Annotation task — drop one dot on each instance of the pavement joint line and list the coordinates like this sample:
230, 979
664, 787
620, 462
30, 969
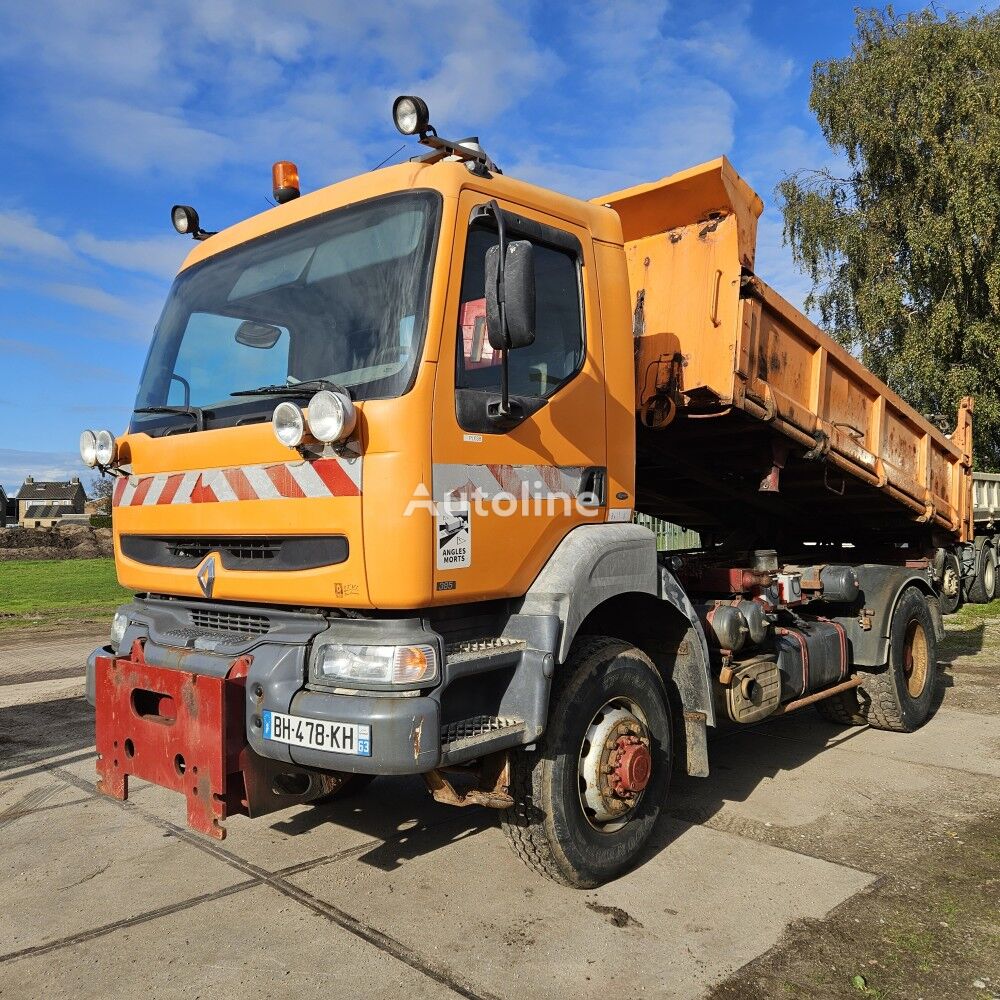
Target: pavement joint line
709, 825
882, 756
82, 937
261, 876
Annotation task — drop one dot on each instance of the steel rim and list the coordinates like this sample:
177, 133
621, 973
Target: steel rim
617, 735
949, 582
989, 577
916, 659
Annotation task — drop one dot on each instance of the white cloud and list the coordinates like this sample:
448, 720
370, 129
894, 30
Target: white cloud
735, 53
160, 256
135, 140
57, 466
141, 316
20, 234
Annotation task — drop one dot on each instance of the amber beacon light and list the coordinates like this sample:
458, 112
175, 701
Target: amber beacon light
285, 181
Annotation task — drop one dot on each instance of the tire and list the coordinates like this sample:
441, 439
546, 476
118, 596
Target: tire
901, 697
597, 698
350, 785
842, 709
983, 588
950, 591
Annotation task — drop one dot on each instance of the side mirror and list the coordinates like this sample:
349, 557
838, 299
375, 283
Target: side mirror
519, 297
260, 335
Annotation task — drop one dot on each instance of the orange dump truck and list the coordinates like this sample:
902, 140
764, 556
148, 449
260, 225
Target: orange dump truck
377, 499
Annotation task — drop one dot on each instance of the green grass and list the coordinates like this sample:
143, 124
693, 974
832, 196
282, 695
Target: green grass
45, 592
977, 612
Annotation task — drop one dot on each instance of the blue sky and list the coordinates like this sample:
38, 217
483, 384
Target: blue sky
114, 111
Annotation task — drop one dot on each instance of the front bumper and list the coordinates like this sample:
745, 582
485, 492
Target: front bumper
182, 706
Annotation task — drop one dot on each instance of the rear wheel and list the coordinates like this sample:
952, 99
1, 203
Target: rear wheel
587, 799
983, 588
844, 709
951, 584
902, 696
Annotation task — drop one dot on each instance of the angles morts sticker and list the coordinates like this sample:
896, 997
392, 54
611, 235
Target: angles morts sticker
454, 535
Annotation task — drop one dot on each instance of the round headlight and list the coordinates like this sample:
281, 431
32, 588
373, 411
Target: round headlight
288, 424
105, 447
88, 448
331, 416
184, 218
410, 115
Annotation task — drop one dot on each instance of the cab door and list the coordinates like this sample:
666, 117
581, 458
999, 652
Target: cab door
508, 489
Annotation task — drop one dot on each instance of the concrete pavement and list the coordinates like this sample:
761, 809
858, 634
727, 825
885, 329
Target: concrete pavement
389, 894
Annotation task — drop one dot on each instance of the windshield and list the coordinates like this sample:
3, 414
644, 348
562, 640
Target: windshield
341, 298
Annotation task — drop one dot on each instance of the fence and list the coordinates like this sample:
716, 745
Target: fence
669, 536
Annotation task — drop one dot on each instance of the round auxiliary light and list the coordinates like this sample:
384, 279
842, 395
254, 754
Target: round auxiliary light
105, 447
185, 219
289, 424
410, 115
88, 448
331, 416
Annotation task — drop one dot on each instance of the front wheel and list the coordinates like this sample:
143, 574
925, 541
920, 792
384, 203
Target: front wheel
587, 799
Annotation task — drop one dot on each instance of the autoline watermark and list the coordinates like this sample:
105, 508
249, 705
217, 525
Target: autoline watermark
529, 501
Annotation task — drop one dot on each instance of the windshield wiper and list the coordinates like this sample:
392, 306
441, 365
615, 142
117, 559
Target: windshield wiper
195, 412
306, 388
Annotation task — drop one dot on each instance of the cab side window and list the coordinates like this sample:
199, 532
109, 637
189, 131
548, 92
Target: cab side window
557, 353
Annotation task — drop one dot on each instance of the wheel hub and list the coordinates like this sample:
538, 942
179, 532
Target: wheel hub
634, 767
615, 765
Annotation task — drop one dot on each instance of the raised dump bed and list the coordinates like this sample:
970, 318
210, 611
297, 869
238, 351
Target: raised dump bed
754, 420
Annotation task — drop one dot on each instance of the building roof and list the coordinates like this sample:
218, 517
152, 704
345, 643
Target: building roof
40, 510
34, 490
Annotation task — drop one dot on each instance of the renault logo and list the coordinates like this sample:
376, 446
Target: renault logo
206, 576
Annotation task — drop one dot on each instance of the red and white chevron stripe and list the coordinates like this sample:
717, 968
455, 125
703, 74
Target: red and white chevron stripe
326, 477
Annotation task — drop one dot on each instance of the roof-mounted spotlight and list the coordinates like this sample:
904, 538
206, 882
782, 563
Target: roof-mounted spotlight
185, 220
411, 115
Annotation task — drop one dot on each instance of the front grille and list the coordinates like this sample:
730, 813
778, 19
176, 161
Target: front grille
478, 725
246, 549
295, 552
210, 620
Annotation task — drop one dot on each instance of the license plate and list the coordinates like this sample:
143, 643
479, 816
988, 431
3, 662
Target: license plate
317, 734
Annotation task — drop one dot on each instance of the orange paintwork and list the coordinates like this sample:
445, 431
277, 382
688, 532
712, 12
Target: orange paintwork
687, 242
716, 336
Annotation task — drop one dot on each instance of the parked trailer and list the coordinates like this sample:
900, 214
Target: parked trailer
412, 550
981, 561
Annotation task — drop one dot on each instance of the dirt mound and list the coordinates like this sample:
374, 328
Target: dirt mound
67, 541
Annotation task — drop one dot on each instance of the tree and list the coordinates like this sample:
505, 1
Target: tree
101, 490
903, 243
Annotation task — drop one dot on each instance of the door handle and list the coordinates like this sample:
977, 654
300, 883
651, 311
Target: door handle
593, 483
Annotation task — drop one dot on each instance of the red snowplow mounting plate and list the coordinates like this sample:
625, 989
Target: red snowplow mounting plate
176, 729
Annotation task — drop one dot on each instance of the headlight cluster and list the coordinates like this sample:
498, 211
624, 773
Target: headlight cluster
396, 666
330, 416
97, 448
